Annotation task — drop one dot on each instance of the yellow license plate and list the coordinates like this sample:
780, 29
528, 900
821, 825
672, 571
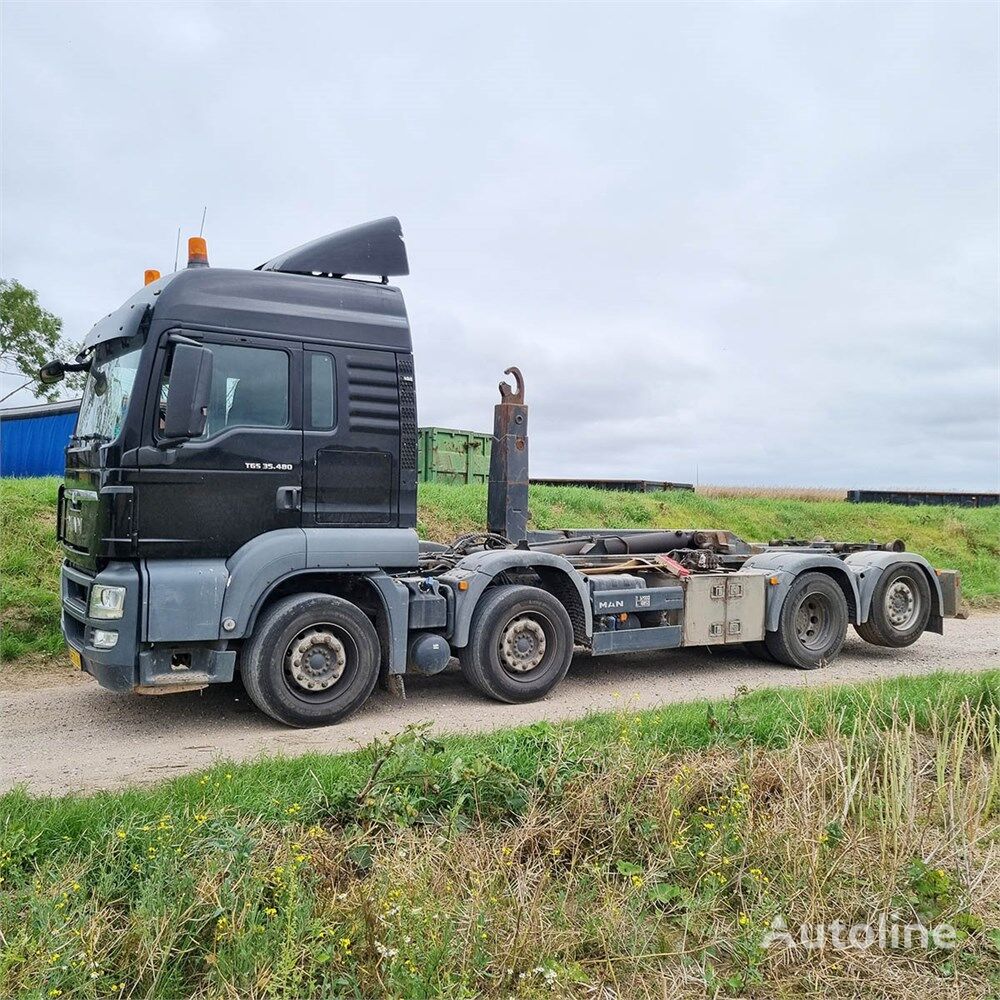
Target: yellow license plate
74, 658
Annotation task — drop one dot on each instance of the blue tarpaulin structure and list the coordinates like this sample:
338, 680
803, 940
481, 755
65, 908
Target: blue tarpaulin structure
33, 439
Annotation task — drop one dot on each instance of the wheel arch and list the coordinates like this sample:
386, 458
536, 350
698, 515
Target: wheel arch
386, 604
267, 560
786, 567
478, 573
871, 566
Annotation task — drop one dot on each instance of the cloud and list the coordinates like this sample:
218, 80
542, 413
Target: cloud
756, 244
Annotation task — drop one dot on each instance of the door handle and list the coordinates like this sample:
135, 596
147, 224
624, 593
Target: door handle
289, 498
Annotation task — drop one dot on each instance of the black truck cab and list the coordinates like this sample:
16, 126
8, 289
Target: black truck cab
310, 422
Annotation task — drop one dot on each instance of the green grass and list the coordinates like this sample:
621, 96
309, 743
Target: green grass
29, 569
635, 853
958, 538
966, 539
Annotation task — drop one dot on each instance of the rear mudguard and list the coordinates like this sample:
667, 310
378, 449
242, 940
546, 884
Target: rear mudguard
477, 572
871, 565
784, 567
857, 575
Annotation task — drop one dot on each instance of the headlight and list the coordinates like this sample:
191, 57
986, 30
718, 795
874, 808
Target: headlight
107, 602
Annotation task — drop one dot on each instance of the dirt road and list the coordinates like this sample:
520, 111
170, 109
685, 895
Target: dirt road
78, 737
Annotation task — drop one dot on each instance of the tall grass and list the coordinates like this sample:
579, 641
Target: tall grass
775, 492
637, 854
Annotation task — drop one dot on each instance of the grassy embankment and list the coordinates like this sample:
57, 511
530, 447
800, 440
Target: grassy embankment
963, 539
625, 855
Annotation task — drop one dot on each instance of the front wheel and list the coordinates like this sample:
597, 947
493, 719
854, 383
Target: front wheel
812, 625
520, 644
312, 660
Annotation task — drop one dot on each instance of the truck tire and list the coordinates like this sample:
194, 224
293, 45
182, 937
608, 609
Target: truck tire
312, 660
520, 644
812, 625
900, 608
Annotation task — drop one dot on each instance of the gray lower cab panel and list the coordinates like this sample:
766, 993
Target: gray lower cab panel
183, 599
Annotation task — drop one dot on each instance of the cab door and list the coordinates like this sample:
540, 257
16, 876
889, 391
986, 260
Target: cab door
350, 438
243, 476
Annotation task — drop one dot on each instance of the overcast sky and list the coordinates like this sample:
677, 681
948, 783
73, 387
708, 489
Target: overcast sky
749, 243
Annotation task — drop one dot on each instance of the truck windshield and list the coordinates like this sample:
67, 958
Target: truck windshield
108, 389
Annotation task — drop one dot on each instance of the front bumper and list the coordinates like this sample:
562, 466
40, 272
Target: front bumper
132, 664
116, 668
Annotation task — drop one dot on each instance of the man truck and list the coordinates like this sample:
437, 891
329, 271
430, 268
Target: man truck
241, 496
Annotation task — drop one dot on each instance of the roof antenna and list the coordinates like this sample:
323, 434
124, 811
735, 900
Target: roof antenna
204, 212
177, 248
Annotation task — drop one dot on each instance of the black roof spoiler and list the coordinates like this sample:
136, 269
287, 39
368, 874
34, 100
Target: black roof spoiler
374, 248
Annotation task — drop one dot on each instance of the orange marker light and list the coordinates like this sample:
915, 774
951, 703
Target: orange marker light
197, 252
150, 275
463, 584
773, 581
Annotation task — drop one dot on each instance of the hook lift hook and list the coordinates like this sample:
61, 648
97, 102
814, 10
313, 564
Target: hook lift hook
513, 396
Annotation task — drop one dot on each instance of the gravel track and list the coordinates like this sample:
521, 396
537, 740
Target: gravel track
75, 737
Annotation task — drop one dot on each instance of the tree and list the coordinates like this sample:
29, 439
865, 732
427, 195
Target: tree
30, 336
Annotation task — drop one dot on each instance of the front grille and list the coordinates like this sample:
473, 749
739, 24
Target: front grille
76, 591
75, 631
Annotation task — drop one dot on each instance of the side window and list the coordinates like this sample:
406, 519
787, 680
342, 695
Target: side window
322, 377
249, 389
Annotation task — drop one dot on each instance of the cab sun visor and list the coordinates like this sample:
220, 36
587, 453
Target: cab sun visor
123, 322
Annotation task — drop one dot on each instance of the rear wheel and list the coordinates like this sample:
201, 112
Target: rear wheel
520, 644
900, 608
812, 625
312, 660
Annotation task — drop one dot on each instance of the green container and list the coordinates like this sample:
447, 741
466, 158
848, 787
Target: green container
449, 456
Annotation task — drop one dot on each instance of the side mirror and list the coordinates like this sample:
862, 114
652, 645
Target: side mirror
51, 373
190, 385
